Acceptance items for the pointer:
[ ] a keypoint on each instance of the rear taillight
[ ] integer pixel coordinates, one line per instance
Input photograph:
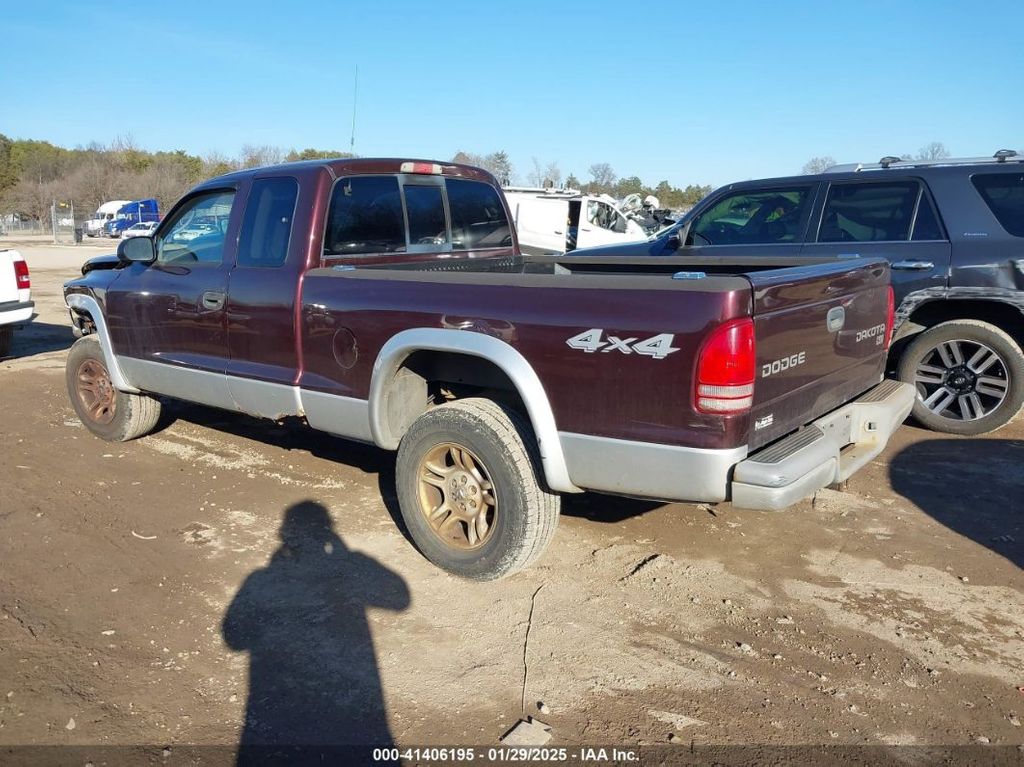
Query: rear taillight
(890, 317)
(725, 369)
(21, 275)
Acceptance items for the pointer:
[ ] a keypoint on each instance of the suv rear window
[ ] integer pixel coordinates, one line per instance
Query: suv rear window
(478, 217)
(365, 217)
(869, 212)
(1004, 195)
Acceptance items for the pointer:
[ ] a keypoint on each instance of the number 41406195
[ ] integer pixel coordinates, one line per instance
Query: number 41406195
(594, 340)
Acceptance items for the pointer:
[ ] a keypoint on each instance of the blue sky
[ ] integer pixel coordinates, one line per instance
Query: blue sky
(702, 92)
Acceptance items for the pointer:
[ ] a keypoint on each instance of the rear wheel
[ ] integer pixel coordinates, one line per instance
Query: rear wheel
(969, 377)
(6, 335)
(467, 476)
(113, 415)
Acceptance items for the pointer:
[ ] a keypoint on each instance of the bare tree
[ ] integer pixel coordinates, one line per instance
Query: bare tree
(500, 165)
(552, 174)
(497, 163)
(933, 151)
(217, 164)
(544, 175)
(603, 177)
(258, 156)
(818, 164)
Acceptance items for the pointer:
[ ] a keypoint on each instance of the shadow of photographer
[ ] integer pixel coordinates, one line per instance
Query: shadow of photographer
(313, 676)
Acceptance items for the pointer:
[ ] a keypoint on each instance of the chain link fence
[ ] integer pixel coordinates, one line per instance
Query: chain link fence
(62, 223)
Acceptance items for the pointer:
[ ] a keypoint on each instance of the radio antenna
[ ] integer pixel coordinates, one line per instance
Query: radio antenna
(355, 96)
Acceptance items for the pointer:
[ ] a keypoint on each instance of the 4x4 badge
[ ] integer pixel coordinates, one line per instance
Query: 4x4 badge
(658, 347)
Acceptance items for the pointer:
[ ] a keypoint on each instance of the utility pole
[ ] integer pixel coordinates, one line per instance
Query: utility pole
(355, 96)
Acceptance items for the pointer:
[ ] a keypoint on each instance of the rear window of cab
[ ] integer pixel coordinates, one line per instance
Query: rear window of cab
(383, 214)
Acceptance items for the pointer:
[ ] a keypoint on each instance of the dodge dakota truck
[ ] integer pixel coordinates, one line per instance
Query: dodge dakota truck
(387, 301)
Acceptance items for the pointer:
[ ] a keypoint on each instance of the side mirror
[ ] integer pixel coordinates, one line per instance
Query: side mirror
(677, 239)
(140, 250)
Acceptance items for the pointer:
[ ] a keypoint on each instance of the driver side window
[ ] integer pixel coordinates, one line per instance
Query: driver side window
(196, 233)
(752, 218)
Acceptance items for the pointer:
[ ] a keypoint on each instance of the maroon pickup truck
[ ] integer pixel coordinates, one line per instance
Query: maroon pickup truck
(386, 301)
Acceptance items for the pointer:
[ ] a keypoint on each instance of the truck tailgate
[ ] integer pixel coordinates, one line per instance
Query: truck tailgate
(820, 332)
(8, 282)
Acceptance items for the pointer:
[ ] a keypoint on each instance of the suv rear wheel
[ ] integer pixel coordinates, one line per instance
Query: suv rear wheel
(467, 477)
(969, 377)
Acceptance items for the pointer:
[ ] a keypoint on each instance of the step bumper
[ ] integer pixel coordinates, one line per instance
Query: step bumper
(827, 451)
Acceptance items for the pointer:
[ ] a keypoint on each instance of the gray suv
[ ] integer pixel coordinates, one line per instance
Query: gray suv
(953, 231)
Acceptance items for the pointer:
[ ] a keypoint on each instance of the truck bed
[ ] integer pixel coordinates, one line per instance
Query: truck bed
(537, 303)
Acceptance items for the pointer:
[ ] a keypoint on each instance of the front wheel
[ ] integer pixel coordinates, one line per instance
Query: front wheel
(969, 377)
(113, 415)
(468, 488)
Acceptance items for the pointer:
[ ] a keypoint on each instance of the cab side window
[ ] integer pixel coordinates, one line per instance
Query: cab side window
(752, 218)
(365, 217)
(196, 233)
(870, 212)
(267, 224)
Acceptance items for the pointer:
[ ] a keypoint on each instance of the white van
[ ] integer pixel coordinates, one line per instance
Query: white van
(557, 220)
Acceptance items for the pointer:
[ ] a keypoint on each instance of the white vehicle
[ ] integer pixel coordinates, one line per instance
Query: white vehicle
(556, 221)
(15, 304)
(106, 212)
(144, 229)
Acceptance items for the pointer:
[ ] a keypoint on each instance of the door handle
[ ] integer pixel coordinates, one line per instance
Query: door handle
(213, 299)
(913, 265)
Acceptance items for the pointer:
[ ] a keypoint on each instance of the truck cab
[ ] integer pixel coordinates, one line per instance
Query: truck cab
(95, 226)
(131, 213)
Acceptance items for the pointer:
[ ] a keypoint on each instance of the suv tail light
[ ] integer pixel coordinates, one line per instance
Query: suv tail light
(890, 317)
(21, 275)
(725, 369)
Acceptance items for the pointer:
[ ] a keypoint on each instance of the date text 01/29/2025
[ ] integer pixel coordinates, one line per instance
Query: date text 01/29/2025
(500, 754)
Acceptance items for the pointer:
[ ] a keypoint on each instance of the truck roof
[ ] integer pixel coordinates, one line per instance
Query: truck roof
(113, 206)
(343, 166)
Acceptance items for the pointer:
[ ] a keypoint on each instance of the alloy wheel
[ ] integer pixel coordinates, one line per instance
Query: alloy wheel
(457, 496)
(962, 380)
(96, 392)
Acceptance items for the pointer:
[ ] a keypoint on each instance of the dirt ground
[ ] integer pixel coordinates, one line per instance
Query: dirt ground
(227, 577)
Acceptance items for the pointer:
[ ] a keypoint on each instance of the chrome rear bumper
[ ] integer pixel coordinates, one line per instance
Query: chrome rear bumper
(825, 452)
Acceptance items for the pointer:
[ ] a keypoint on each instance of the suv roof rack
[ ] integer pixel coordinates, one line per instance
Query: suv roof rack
(1002, 156)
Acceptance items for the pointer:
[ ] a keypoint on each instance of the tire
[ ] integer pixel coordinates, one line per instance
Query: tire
(112, 415)
(501, 451)
(6, 336)
(969, 377)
